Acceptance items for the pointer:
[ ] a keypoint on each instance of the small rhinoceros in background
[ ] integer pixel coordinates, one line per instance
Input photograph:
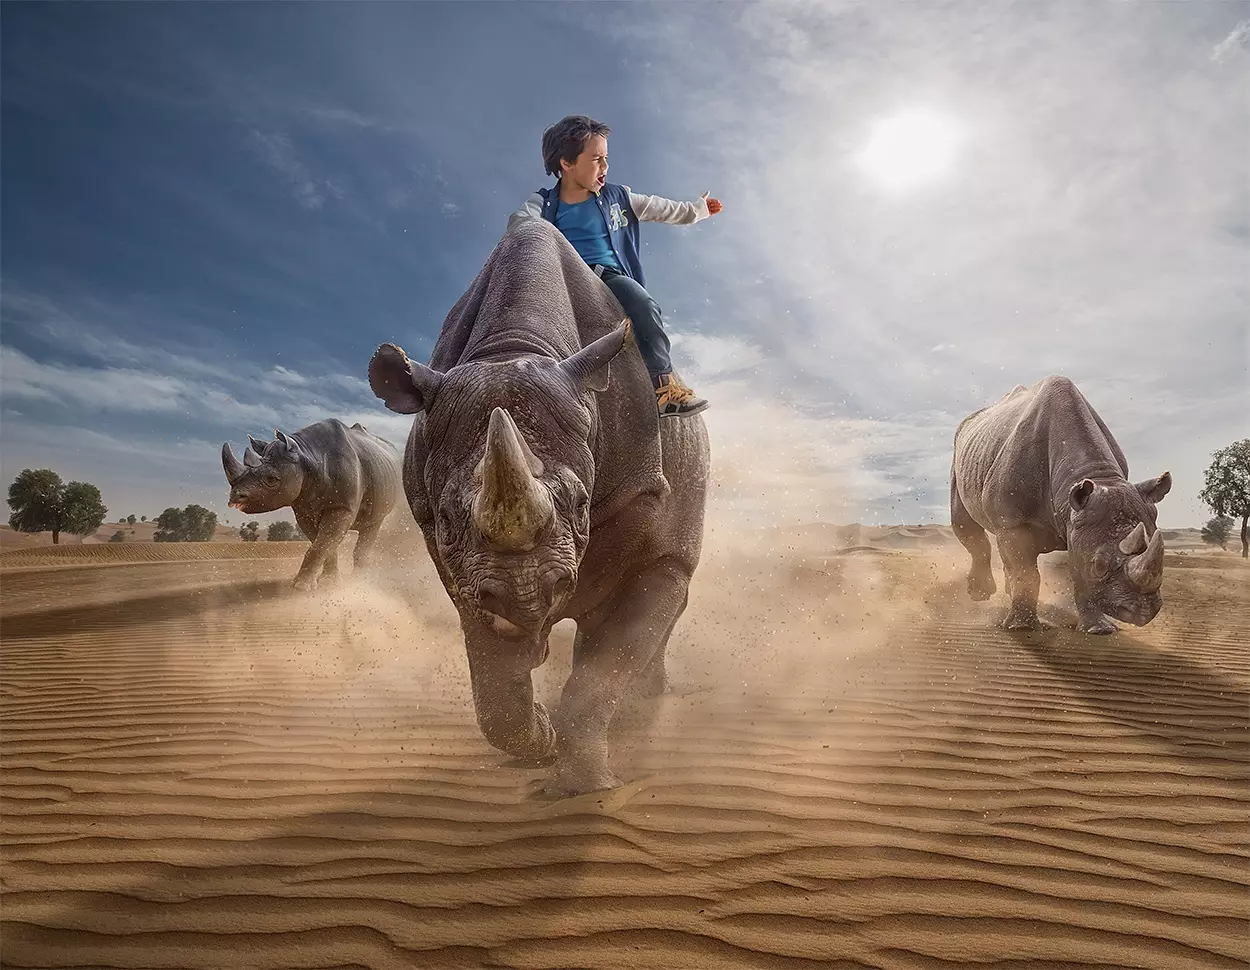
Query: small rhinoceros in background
(333, 477)
(1041, 471)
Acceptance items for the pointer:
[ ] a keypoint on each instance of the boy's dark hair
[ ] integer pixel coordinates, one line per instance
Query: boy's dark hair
(567, 138)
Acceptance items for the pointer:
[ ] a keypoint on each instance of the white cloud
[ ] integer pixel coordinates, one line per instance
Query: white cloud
(276, 150)
(1237, 41)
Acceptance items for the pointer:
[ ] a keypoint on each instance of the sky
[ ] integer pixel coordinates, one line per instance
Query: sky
(212, 215)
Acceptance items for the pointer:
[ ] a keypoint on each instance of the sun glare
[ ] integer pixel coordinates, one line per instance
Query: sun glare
(909, 149)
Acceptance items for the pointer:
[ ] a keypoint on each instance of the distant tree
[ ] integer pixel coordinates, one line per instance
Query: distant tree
(1227, 487)
(143, 518)
(118, 536)
(250, 532)
(170, 526)
(130, 519)
(192, 524)
(1217, 531)
(280, 532)
(41, 502)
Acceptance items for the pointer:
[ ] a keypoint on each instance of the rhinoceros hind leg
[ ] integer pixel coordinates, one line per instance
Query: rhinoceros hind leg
(981, 576)
(362, 556)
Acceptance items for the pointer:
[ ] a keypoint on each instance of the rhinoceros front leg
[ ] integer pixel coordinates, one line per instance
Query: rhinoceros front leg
(622, 647)
(1019, 555)
(331, 528)
(1090, 617)
(503, 697)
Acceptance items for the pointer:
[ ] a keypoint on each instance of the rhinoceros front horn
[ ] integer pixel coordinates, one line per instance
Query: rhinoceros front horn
(512, 506)
(1145, 571)
(234, 467)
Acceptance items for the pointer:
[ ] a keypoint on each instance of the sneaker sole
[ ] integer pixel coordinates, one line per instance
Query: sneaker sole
(685, 414)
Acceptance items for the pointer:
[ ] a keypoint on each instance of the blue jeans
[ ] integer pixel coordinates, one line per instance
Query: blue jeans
(644, 315)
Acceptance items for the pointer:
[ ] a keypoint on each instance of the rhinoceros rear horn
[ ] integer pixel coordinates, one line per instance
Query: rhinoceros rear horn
(405, 386)
(1135, 541)
(250, 458)
(1146, 570)
(588, 367)
(512, 506)
(234, 468)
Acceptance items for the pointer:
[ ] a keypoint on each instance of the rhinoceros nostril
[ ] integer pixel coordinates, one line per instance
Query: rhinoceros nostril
(556, 583)
(490, 597)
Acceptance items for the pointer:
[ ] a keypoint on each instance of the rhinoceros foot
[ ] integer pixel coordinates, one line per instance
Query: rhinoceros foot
(1023, 618)
(981, 586)
(578, 780)
(1099, 627)
(304, 584)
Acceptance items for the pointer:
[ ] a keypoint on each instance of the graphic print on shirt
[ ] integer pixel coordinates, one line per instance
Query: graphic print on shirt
(616, 217)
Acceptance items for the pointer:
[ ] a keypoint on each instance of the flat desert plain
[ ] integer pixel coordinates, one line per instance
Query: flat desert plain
(855, 768)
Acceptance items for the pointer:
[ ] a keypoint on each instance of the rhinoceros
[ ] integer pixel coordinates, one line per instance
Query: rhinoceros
(1040, 470)
(546, 491)
(333, 477)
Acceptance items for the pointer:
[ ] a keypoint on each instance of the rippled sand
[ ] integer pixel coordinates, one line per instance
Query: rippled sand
(855, 769)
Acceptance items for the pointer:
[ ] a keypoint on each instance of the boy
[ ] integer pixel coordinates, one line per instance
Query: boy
(600, 220)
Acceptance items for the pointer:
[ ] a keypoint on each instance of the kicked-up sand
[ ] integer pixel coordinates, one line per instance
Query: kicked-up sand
(855, 768)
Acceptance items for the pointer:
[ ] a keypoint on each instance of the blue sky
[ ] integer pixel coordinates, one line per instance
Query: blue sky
(213, 214)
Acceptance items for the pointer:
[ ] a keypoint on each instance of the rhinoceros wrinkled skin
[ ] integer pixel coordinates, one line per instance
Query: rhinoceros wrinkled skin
(1040, 470)
(546, 491)
(335, 479)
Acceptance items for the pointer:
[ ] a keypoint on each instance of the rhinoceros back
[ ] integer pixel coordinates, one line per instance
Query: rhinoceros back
(1014, 457)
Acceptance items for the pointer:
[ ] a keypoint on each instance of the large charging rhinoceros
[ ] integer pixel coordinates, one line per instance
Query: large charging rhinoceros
(546, 491)
(335, 478)
(1041, 471)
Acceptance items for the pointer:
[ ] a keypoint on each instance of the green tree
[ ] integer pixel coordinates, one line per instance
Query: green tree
(280, 532)
(1227, 487)
(143, 518)
(1217, 531)
(118, 536)
(250, 532)
(41, 502)
(130, 519)
(192, 524)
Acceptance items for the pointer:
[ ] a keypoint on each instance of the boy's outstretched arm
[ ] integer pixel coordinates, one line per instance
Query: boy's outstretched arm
(656, 208)
(532, 208)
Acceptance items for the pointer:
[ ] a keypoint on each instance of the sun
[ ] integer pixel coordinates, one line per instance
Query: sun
(909, 149)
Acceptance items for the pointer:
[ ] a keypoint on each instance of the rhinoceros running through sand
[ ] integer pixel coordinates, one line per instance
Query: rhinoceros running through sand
(335, 479)
(1040, 470)
(546, 491)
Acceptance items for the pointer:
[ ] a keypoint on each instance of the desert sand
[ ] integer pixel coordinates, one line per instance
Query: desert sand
(855, 768)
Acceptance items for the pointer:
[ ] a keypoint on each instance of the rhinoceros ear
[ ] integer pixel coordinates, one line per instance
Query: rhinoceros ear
(1079, 496)
(1154, 489)
(588, 367)
(288, 446)
(404, 385)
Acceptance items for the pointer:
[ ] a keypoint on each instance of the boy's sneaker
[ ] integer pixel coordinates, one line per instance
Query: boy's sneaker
(675, 399)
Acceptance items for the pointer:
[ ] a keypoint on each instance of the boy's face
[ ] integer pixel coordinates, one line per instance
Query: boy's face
(590, 170)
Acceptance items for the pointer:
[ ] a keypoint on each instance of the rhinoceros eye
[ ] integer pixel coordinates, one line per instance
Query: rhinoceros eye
(271, 480)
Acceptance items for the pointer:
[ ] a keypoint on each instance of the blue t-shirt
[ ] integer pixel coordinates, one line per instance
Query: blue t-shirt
(583, 226)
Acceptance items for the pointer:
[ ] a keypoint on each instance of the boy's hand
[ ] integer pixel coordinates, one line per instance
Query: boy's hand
(713, 205)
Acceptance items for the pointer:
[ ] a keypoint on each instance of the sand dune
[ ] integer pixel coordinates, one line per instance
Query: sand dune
(855, 769)
(90, 554)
